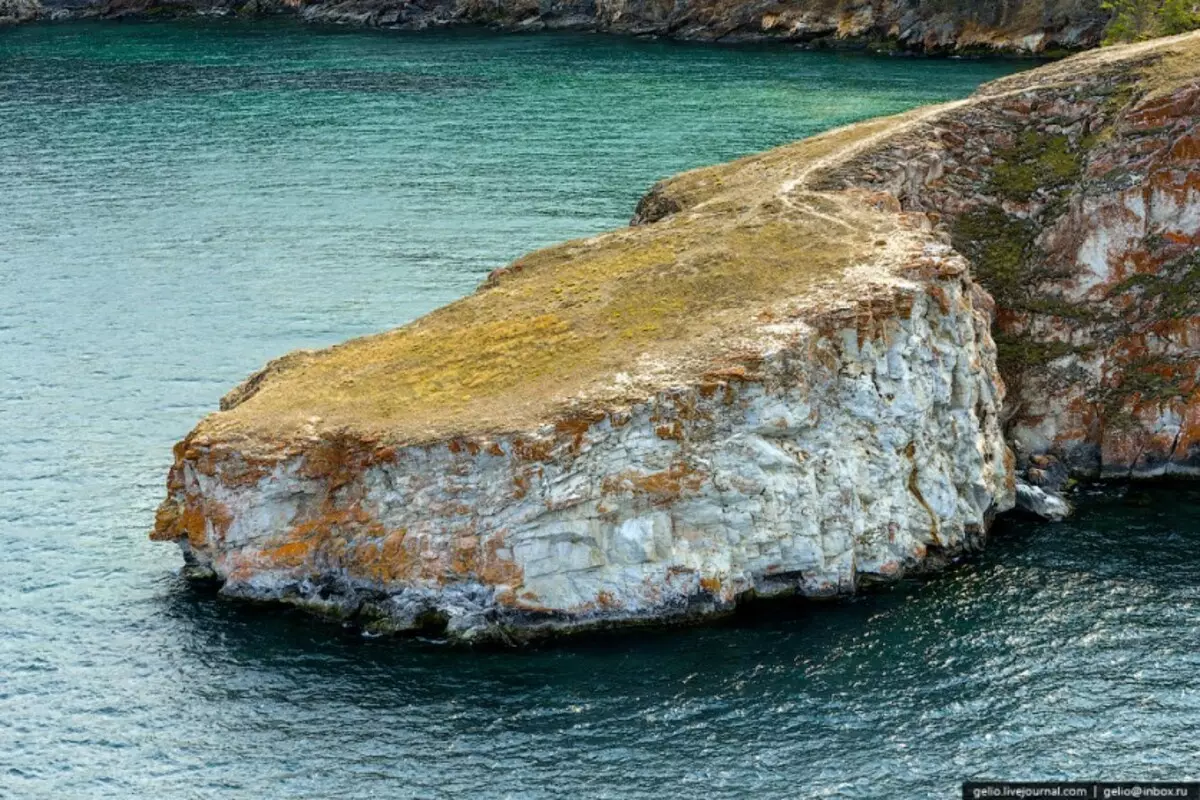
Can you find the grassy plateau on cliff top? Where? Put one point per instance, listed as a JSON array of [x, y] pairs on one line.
[[652, 306]]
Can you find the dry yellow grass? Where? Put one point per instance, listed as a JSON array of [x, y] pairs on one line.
[[610, 318], [1179, 65], [761, 174], [561, 325], [1159, 66]]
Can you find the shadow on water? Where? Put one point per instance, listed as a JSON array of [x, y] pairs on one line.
[[1121, 532], [1143, 532], [775, 635], [1054, 630]]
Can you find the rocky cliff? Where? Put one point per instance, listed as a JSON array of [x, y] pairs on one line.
[[1078, 205], [926, 25], [16, 11], [1074, 190], [783, 391], [781, 379]]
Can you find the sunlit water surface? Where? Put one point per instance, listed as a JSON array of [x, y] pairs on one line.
[[179, 203]]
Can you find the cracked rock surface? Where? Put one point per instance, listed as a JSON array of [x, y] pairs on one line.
[[780, 380]]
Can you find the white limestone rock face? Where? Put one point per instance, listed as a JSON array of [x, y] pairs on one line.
[[853, 447]]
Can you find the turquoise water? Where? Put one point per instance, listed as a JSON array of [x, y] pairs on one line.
[[179, 203]]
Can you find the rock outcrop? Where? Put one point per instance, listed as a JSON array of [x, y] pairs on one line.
[[924, 25], [1077, 200], [784, 391], [13, 12], [781, 379], [1074, 190], [1042, 503]]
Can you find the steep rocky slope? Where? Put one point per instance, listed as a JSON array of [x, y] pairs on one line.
[[784, 391], [781, 379], [1079, 208], [929, 25], [1074, 191]]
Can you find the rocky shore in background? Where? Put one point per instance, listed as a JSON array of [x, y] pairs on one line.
[[781, 379], [934, 26], [17, 11]]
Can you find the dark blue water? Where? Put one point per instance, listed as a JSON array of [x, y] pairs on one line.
[[179, 203]]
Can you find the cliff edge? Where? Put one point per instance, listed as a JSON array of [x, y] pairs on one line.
[[1078, 205], [780, 380]]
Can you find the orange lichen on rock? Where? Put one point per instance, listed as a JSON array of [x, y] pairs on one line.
[[497, 566], [340, 459], [660, 487], [190, 520], [331, 537]]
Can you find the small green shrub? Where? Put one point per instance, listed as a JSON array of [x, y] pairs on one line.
[[998, 247]]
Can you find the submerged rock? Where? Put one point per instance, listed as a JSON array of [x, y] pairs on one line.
[[1042, 503], [781, 380]]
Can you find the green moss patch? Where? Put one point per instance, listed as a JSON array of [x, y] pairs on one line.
[[1015, 354], [1036, 163], [999, 247], [1173, 291]]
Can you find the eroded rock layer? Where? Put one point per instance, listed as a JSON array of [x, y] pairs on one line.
[[1074, 190], [781, 379]]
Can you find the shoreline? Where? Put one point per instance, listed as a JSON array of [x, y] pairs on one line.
[[781, 379], [1037, 45], [749, 611]]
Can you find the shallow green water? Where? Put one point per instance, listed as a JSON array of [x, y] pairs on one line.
[[179, 203]]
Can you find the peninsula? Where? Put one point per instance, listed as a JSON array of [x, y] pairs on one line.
[[793, 374]]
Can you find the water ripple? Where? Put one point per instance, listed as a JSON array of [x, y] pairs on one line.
[[180, 203]]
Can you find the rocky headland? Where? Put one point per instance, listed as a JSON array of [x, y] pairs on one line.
[[1074, 191], [788, 376], [930, 26]]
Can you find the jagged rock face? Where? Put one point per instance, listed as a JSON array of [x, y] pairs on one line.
[[781, 379], [1078, 203], [15, 11], [853, 446], [779, 390], [928, 25]]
